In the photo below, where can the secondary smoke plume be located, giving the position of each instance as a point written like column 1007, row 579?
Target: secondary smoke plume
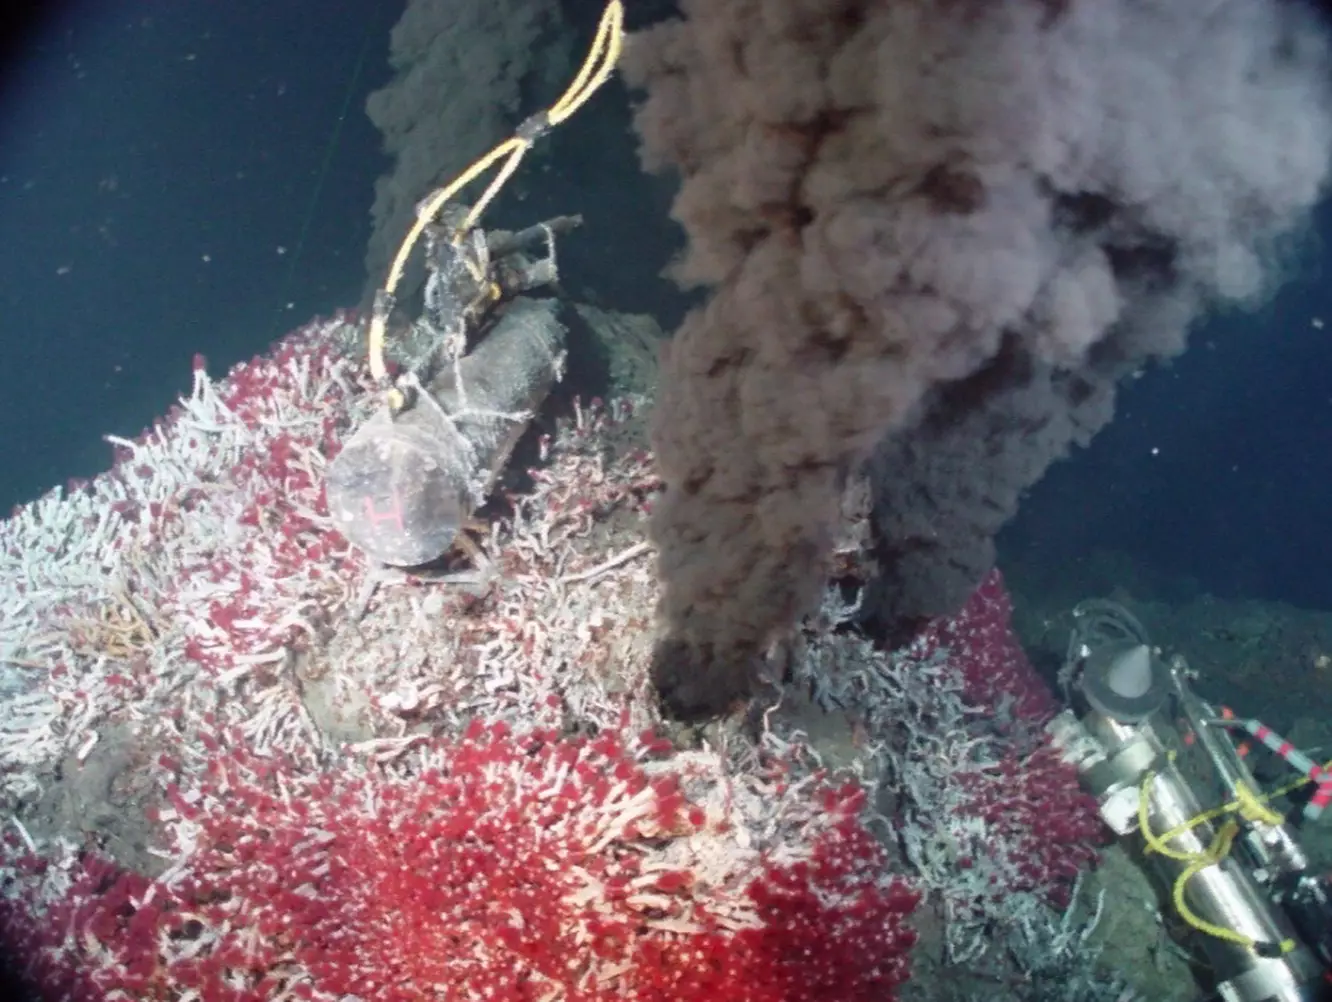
column 462, row 72
column 937, row 232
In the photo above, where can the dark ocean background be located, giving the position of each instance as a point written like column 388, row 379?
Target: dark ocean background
column 196, row 177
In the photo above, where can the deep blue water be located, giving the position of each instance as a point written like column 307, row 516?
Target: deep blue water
column 1217, row 467
column 159, row 166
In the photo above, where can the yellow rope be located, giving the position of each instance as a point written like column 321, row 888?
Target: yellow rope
column 1158, row 843
column 595, row 71
column 1248, row 805
column 1252, row 806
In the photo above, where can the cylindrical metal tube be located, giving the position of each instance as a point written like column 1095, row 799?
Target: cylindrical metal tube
column 1223, row 894
column 404, row 484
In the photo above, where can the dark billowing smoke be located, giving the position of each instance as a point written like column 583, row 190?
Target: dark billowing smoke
column 945, row 485
column 936, row 234
column 460, row 72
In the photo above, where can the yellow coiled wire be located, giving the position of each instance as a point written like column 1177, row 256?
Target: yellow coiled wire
column 1248, row 805
column 595, row 71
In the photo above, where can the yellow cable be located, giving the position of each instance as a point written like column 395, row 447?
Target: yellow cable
column 1248, row 805
column 1252, row 806
column 595, row 71
column 1213, row 856
column 1214, row 853
column 1157, row 843
column 603, row 55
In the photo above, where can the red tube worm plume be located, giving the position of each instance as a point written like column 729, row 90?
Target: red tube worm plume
column 1030, row 798
column 1045, row 828
column 61, row 922
column 996, row 670
column 504, row 867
